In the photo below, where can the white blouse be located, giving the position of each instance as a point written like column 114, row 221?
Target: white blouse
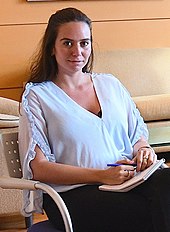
column 69, row 134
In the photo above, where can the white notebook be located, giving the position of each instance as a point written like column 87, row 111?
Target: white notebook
column 139, row 178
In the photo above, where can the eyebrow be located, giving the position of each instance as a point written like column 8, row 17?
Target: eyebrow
column 73, row 40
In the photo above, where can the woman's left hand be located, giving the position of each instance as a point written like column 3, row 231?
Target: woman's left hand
column 145, row 156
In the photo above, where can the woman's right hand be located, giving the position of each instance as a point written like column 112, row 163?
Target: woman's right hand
column 117, row 175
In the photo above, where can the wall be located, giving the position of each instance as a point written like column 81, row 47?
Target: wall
column 117, row 24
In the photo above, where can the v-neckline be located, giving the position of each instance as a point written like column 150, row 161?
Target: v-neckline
column 74, row 103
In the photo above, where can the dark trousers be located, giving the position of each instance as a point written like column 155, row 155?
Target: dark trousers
column 146, row 208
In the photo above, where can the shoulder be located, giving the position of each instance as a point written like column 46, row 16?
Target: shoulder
column 111, row 84
column 104, row 76
column 108, row 80
column 36, row 94
column 36, row 86
column 36, row 89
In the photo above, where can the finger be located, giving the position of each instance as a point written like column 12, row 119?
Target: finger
column 147, row 159
column 134, row 159
column 128, row 174
column 139, row 160
column 155, row 158
column 144, row 164
column 152, row 157
column 125, row 161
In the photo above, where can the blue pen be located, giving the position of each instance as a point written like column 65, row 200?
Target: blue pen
column 115, row 165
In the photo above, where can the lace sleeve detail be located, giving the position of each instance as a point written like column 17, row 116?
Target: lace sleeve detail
column 36, row 124
column 32, row 132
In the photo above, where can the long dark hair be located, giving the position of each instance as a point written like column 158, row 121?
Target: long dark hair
column 44, row 66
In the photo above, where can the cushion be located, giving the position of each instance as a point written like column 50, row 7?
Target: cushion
column 44, row 226
column 154, row 107
column 7, row 120
column 9, row 106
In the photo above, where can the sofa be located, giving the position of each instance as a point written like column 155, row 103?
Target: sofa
column 146, row 75
column 9, row 113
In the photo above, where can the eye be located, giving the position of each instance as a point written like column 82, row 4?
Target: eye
column 84, row 43
column 67, row 43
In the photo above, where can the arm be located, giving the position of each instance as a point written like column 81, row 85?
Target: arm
column 56, row 173
column 143, row 154
column 142, row 143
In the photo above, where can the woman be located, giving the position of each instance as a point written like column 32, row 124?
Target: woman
column 73, row 123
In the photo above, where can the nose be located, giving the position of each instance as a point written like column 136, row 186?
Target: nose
column 76, row 50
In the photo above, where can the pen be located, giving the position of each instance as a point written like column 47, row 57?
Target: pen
column 115, row 165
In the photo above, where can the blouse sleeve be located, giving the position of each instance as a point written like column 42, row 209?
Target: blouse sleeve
column 32, row 132
column 136, row 125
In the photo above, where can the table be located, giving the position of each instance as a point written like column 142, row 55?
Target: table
column 159, row 139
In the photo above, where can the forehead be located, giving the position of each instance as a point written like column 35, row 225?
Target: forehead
column 74, row 31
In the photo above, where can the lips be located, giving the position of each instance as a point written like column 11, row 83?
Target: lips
column 76, row 61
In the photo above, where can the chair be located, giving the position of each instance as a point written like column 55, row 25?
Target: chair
column 11, row 199
column 9, row 143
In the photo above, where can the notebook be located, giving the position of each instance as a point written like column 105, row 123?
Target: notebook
column 139, row 178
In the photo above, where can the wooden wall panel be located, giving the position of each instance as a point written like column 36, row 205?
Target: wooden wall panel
column 133, row 34
column 12, row 93
column 117, row 24
column 16, row 52
column 21, row 11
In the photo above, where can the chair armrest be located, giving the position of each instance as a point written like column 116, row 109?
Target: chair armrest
column 16, row 183
column 59, row 202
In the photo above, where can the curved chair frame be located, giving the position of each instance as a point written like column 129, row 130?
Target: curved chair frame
column 9, row 143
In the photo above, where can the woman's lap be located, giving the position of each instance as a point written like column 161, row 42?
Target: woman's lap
column 93, row 210
column 157, row 192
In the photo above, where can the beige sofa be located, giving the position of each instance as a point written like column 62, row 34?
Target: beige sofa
column 9, row 113
column 146, row 75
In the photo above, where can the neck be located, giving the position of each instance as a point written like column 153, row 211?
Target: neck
column 75, row 81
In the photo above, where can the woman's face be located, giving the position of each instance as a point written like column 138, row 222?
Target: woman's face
column 72, row 47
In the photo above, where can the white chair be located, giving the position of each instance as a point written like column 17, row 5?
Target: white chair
column 9, row 143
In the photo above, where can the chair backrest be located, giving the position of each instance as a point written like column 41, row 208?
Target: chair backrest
column 9, row 142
